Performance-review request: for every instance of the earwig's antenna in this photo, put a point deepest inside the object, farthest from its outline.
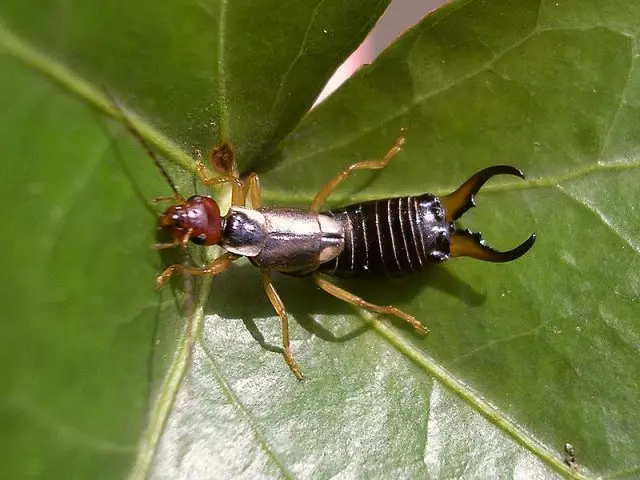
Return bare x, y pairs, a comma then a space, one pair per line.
127, 122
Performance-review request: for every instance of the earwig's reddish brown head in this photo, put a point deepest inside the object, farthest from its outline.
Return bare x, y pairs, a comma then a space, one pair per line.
198, 218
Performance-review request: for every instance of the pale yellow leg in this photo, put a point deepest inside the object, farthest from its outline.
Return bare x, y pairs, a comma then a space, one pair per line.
275, 300
237, 197
348, 297
252, 190
216, 266
331, 185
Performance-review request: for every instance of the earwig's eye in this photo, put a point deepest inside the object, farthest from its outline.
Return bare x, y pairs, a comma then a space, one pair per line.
199, 239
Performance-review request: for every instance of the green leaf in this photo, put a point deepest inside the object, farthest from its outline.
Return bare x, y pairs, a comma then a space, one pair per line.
521, 358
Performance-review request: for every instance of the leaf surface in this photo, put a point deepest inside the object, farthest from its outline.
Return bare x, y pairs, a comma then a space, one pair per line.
91, 354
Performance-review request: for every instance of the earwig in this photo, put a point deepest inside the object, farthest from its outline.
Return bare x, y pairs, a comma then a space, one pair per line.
392, 236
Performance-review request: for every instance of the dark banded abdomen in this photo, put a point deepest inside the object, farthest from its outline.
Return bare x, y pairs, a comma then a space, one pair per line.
389, 237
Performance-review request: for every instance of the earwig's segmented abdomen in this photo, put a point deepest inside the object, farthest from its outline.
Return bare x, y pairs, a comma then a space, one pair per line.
389, 237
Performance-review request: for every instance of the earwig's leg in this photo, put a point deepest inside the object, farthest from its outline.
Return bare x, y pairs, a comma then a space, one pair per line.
274, 298
331, 185
348, 297
162, 246
252, 187
237, 197
216, 266
177, 242
223, 159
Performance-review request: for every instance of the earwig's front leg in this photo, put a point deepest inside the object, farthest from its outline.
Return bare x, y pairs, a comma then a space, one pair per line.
348, 297
331, 185
252, 190
216, 266
275, 300
237, 197
177, 242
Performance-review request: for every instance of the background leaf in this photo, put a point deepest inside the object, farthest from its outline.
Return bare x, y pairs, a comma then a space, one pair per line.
542, 351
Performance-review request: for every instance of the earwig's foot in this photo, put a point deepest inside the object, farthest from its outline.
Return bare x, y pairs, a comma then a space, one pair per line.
161, 246
410, 319
201, 169
166, 275
293, 365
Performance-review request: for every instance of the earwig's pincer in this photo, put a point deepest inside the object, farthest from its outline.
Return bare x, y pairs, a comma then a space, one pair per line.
464, 243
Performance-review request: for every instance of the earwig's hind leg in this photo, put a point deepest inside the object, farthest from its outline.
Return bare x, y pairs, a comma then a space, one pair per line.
275, 300
252, 190
215, 267
457, 203
237, 197
348, 297
331, 185
467, 244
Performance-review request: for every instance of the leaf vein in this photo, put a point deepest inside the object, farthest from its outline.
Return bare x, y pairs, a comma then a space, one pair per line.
233, 399
298, 56
621, 104
541, 182
64, 431
417, 101
464, 392
223, 114
601, 216
167, 392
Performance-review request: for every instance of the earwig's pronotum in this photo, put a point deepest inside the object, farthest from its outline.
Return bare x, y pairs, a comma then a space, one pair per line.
391, 236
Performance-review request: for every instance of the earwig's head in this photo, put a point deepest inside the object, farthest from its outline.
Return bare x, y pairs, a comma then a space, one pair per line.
464, 243
198, 218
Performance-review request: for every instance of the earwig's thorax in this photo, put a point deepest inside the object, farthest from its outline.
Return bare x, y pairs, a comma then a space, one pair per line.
198, 218
289, 240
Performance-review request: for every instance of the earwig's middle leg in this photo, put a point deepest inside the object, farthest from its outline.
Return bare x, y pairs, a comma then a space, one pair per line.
331, 185
216, 266
275, 300
349, 297
237, 197
252, 190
